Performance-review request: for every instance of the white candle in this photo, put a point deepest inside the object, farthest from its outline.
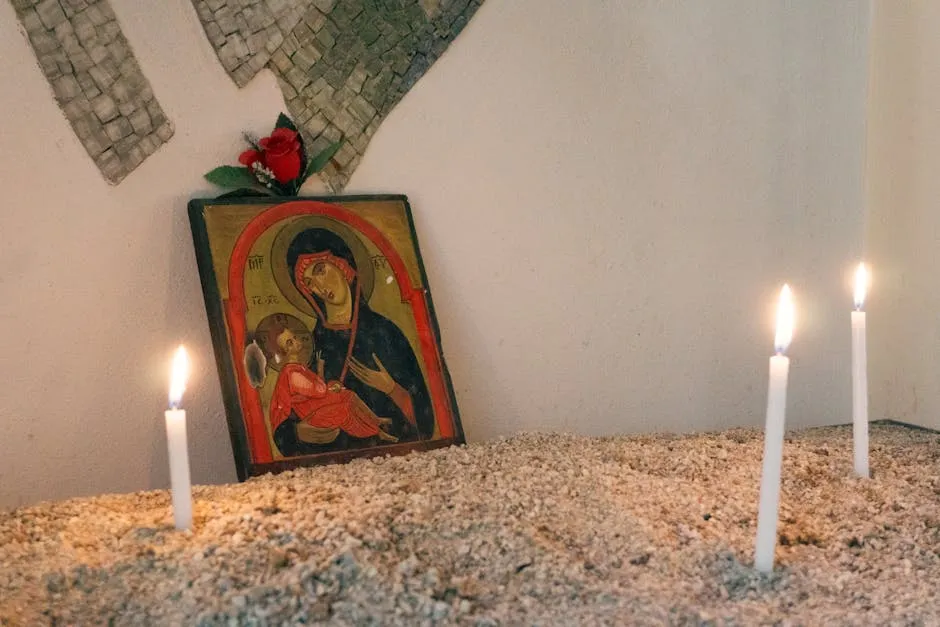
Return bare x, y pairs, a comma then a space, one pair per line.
860, 376
176, 441
773, 437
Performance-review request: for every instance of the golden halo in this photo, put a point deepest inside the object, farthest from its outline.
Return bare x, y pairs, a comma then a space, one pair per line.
282, 273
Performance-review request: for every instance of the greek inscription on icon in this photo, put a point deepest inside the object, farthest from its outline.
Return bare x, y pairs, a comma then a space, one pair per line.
268, 299
256, 262
379, 261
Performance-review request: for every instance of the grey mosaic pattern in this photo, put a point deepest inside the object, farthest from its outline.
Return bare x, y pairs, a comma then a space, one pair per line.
96, 80
342, 64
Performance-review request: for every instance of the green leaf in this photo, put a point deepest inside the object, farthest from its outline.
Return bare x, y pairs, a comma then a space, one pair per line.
231, 176
284, 122
319, 162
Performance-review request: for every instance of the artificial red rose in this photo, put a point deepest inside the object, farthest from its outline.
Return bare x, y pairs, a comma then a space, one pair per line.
250, 157
282, 154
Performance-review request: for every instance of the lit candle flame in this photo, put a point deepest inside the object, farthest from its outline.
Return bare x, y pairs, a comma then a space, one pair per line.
785, 316
178, 377
861, 285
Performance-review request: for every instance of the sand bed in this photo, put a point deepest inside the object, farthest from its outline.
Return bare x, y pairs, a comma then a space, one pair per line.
536, 529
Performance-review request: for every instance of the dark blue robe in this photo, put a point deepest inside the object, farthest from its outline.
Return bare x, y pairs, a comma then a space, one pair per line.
374, 334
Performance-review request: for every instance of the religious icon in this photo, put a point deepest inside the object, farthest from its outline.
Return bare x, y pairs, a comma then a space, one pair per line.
324, 331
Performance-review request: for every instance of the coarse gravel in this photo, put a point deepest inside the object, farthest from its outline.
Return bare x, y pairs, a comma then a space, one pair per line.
534, 529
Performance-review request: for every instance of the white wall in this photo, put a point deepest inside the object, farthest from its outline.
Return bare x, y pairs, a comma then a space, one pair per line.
903, 188
608, 197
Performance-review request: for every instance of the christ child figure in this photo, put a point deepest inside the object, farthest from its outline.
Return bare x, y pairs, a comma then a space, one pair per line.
313, 400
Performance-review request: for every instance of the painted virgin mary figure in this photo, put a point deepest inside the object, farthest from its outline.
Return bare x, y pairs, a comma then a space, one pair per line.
360, 349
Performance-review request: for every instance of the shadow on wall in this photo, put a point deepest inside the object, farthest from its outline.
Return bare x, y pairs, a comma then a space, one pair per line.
210, 450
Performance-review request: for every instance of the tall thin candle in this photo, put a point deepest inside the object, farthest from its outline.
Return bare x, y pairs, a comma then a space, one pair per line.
176, 441
860, 375
773, 436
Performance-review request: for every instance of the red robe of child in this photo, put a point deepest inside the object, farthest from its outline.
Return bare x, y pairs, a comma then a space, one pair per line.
300, 389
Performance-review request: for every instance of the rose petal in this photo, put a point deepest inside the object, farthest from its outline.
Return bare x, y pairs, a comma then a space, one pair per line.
249, 157
286, 166
284, 134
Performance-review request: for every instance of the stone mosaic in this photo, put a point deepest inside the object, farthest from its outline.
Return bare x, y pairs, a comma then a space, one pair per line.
96, 80
342, 65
